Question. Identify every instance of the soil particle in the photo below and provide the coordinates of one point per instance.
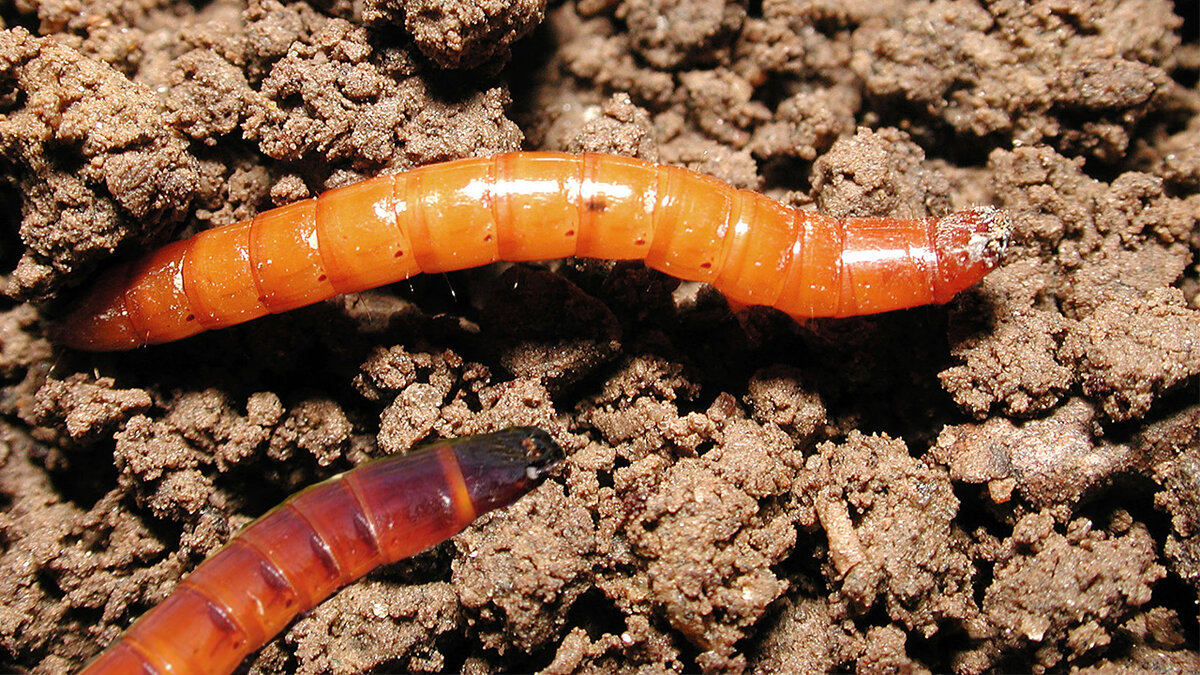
(86, 409)
(24, 360)
(807, 124)
(458, 34)
(622, 128)
(1055, 460)
(86, 147)
(596, 52)
(777, 395)
(1180, 479)
(329, 92)
(710, 600)
(519, 577)
(1126, 364)
(804, 638)
(1090, 580)
(1075, 59)
(208, 95)
(884, 653)
(99, 561)
(20, 348)
(892, 539)
(1007, 483)
(676, 33)
(374, 625)
(317, 426)
(1110, 247)
(1014, 367)
(878, 173)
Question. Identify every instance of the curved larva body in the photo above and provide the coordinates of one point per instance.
(537, 206)
(321, 539)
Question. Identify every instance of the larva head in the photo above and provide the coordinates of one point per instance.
(499, 468)
(968, 244)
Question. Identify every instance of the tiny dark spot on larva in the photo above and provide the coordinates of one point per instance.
(570, 233)
(705, 265)
(596, 203)
(487, 237)
(639, 242)
(399, 254)
(262, 299)
(322, 277)
(190, 317)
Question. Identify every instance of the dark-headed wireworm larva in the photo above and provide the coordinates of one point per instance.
(321, 539)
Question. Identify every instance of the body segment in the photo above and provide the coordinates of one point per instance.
(321, 539)
(537, 206)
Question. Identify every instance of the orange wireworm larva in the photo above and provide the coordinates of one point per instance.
(536, 206)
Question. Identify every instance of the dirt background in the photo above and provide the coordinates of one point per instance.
(1007, 483)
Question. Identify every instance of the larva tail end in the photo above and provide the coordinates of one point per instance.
(499, 468)
(100, 323)
(969, 244)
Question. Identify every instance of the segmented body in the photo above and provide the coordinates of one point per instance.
(321, 539)
(537, 206)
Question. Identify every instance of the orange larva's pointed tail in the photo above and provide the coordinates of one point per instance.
(101, 322)
(969, 244)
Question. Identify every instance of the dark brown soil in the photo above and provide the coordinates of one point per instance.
(1007, 483)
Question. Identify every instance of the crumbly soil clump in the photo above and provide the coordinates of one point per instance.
(1010, 482)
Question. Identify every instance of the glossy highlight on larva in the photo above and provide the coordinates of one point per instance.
(536, 206)
(321, 539)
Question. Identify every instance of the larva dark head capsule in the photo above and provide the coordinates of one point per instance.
(499, 468)
(968, 244)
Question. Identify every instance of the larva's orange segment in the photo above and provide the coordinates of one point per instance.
(456, 485)
(101, 322)
(263, 600)
(361, 245)
(764, 234)
(286, 259)
(533, 198)
(187, 629)
(158, 306)
(889, 264)
(337, 518)
(284, 537)
(695, 213)
(616, 202)
(413, 504)
(447, 215)
(124, 657)
(813, 283)
(218, 279)
(968, 244)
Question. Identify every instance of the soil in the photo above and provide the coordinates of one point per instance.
(1010, 482)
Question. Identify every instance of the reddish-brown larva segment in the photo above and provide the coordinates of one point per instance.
(537, 206)
(323, 538)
